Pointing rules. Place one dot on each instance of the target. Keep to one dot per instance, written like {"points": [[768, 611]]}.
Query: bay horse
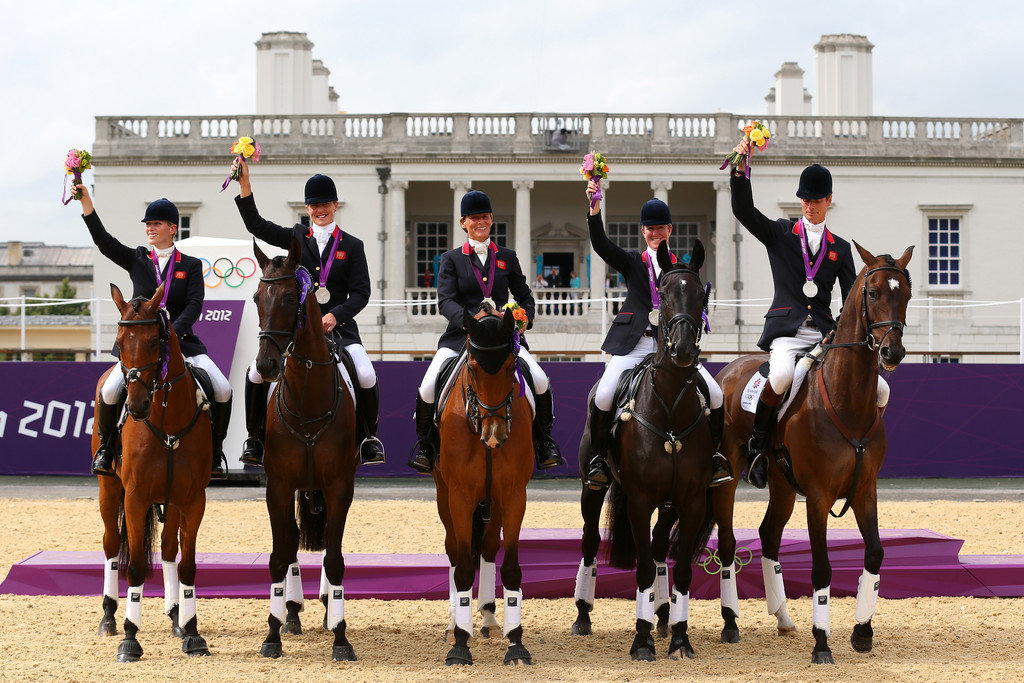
{"points": [[166, 447], [485, 462], [834, 438], [311, 457], [662, 455]]}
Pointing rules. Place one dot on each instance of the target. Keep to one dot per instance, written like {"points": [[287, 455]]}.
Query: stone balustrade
{"points": [[618, 135]]}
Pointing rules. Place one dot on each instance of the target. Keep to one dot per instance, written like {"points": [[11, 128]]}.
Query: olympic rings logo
{"points": [[710, 557], [226, 271]]}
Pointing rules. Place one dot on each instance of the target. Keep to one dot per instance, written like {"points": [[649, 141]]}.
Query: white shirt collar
{"points": [[321, 235], [480, 248], [814, 234], [653, 256], [164, 253]]}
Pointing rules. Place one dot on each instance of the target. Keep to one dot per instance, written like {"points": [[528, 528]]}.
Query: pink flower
{"points": [[256, 156], [72, 162], [588, 164]]}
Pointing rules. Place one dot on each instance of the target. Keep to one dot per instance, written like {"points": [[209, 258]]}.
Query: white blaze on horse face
{"points": [[893, 284]]}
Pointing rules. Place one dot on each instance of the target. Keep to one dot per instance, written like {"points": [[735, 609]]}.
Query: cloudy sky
{"points": [[64, 63]]}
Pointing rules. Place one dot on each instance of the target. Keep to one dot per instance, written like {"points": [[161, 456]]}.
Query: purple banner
{"points": [[943, 420], [218, 328]]}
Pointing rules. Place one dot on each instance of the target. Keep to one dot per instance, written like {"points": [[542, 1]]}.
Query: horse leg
{"points": [[865, 508], [821, 576], [294, 600], [639, 512], [691, 511], [659, 549], [449, 545], [780, 509], [136, 522], [485, 592], [110, 495], [334, 567], [280, 502], [462, 533], [723, 499], [168, 563], [192, 644], [513, 509], [591, 502]]}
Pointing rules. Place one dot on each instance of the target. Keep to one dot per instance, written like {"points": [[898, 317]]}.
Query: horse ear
{"points": [[508, 322], [469, 323], [697, 255], [865, 255], [115, 294], [902, 261], [157, 296], [664, 258], [261, 258], [294, 252]]}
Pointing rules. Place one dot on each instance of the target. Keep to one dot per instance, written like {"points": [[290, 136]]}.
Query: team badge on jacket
{"points": [[500, 264], [339, 256], [179, 275], [833, 256]]}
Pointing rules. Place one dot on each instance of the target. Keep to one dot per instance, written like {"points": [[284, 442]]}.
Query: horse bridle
{"points": [[292, 334], [869, 340], [160, 383], [691, 322], [503, 410]]}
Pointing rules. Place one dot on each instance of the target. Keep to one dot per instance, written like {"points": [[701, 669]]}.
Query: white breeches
{"points": [[427, 388], [605, 395], [365, 373], [113, 388]]}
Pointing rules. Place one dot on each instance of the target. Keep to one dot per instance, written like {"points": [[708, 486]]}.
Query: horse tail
{"points": [[621, 544], [702, 536], [312, 520], [148, 535], [476, 542]]}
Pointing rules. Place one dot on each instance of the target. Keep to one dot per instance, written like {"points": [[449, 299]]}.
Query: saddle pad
{"points": [[456, 367], [752, 392], [346, 379]]}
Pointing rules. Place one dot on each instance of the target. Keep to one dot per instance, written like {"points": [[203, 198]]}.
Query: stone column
{"points": [[524, 228], [726, 275], [660, 189], [397, 248], [460, 187]]}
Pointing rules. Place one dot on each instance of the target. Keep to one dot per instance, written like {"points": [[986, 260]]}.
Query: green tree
{"points": [[64, 291]]}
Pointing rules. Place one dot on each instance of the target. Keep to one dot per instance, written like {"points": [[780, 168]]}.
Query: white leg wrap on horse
{"points": [[513, 611], [727, 589], [586, 582], [821, 615], [293, 585], [775, 592], [186, 604], [277, 608], [170, 585], [645, 604], [324, 585], [679, 609], [867, 597], [485, 593], [133, 612], [110, 578], [451, 598], [661, 589], [464, 610], [335, 606]]}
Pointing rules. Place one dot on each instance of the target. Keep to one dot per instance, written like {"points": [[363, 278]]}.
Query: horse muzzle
{"points": [[494, 434], [269, 366], [139, 408], [890, 356]]}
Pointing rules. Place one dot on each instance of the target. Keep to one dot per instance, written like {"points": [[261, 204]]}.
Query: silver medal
{"points": [[810, 289], [490, 302], [654, 317], [322, 296]]}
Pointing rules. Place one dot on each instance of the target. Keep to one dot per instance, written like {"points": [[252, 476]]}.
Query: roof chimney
{"points": [[14, 253]]}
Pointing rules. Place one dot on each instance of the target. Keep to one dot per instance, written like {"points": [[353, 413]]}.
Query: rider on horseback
{"points": [[183, 299], [806, 260], [633, 333], [337, 262], [477, 271]]}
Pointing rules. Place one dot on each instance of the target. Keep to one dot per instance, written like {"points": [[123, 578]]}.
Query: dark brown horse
{"points": [[486, 460], [662, 456], [310, 447], [166, 445], [835, 440]]}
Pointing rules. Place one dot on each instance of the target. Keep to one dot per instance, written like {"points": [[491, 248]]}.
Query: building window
{"points": [[560, 358], [184, 227], [304, 219], [944, 252], [945, 359], [30, 292], [499, 233], [431, 239], [627, 235]]}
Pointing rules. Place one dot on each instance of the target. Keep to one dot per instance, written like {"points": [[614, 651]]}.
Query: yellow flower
{"points": [[757, 136], [245, 140], [248, 151]]}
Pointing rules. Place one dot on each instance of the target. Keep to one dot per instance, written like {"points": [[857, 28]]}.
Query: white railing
{"points": [[562, 301]]}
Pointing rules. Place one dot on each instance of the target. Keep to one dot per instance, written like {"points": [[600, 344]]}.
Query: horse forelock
{"points": [[490, 333]]}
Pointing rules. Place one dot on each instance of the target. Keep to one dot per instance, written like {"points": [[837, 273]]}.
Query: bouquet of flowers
{"points": [[757, 134], [76, 162], [595, 167], [245, 148], [519, 313]]}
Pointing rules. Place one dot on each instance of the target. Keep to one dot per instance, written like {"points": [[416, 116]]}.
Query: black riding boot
{"points": [[544, 446], [426, 438], [255, 421], [757, 448], [599, 476], [106, 427], [220, 414], [371, 450], [721, 471]]}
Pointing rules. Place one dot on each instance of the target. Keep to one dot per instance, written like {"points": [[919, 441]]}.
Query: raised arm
{"points": [[611, 253], [108, 245], [257, 225]]}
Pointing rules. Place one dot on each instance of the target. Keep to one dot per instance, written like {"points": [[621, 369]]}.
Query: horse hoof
{"points": [[195, 646], [490, 632], [662, 630], [581, 628], [271, 650], [343, 653], [787, 630], [292, 627], [679, 652], [459, 655], [108, 627], [516, 655], [861, 638], [730, 635], [129, 651], [643, 654], [823, 657]]}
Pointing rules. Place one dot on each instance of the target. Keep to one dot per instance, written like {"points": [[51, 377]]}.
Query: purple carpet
{"points": [[918, 563]]}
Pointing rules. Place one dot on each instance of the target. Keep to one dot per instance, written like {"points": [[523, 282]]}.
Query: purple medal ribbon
{"points": [[305, 283], [325, 268], [515, 351], [170, 269], [64, 195], [489, 285], [655, 297], [810, 270], [596, 197], [704, 313]]}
